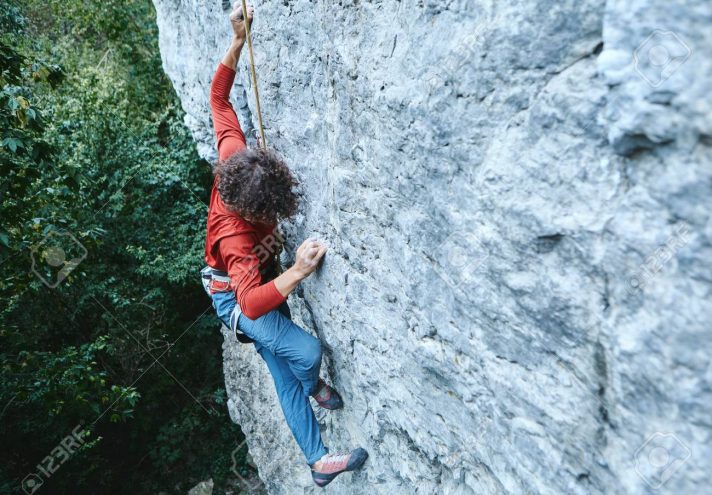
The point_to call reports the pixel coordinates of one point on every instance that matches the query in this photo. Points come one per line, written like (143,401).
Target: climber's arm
(243,267)
(256,299)
(239,34)
(229,134)
(230,137)
(232,55)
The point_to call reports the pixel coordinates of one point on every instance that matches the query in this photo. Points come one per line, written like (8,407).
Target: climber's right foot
(331,465)
(327,397)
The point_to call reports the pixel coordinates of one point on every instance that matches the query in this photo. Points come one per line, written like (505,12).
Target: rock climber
(253,190)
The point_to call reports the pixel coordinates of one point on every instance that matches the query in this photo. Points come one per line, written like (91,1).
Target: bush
(104,323)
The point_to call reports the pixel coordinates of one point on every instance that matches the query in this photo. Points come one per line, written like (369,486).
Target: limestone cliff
(517,198)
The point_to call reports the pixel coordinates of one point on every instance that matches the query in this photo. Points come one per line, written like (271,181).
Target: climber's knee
(311,358)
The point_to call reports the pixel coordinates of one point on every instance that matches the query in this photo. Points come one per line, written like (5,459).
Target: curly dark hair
(257,185)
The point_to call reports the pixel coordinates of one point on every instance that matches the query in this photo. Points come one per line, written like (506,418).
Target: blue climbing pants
(293,358)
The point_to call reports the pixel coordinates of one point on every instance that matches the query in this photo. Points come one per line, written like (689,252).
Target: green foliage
(103,200)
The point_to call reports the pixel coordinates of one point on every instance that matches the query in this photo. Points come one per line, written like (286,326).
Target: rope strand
(254,73)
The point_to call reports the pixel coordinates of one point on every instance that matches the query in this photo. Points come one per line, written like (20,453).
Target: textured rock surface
(517,197)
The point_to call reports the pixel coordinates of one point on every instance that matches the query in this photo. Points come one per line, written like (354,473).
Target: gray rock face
(517,198)
(202,488)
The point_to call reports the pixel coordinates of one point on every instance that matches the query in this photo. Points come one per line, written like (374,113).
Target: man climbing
(253,190)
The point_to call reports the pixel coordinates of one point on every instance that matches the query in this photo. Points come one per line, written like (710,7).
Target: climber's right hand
(307,260)
(308,256)
(237,19)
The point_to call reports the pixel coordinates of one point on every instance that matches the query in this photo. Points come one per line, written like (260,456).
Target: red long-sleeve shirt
(231,244)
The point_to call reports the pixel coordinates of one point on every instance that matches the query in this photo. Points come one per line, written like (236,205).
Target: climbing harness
(246,18)
(217,282)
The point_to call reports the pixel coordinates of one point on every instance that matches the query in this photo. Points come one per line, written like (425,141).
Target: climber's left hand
(238,21)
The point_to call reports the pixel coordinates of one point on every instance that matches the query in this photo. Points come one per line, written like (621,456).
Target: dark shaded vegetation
(111,365)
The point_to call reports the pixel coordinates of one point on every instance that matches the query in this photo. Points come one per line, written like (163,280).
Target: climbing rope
(254,74)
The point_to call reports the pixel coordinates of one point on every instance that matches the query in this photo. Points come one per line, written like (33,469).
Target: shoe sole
(325,479)
(329,407)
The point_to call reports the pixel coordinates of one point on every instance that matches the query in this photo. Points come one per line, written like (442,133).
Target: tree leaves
(99,150)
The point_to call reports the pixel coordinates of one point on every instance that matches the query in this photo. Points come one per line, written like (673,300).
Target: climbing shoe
(333,465)
(327,397)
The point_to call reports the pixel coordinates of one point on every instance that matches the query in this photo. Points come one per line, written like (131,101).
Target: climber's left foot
(327,397)
(331,465)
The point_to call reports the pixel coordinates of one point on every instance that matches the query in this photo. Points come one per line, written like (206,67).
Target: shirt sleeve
(227,128)
(243,267)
